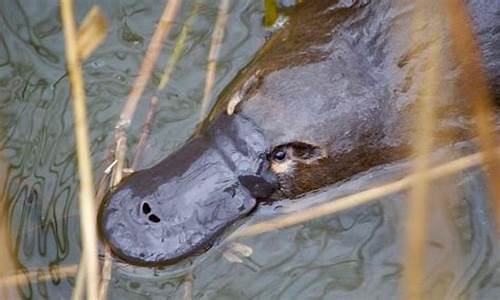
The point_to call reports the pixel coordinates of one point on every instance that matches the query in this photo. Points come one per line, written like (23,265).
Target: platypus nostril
(154,218)
(146,209)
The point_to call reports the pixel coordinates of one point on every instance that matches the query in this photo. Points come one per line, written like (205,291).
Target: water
(355,254)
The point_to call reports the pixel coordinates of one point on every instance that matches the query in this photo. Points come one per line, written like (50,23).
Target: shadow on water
(355,254)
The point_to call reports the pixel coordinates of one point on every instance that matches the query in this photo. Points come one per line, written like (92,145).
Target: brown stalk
(354,200)
(106,273)
(104,182)
(416,231)
(146,131)
(476,90)
(147,66)
(165,78)
(213,54)
(27,277)
(7,261)
(78,290)
(91,33)
(86,197)
(179,47)
(188,286)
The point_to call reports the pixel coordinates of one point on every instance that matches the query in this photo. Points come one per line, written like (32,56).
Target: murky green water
(355,255)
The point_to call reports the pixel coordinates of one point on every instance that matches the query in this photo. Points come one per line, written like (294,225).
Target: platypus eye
(297,151)
(279,155)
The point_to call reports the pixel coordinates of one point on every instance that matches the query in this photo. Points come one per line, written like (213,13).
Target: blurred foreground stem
(86,195)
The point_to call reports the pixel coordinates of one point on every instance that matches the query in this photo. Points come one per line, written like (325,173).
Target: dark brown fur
(348,82)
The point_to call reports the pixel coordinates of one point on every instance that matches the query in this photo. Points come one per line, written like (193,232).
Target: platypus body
(331,94)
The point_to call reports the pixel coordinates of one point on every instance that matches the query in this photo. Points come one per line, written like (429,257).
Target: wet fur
(348,82)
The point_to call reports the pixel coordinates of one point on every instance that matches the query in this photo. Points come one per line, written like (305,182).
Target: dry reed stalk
(146,131)
(213,54)
(78,290)
(86,197)
(147,66)
(106,274)
(165,78)
(179,47)
(91,33)
(188,286)
(7,261)
(476,90)
(104,182)
(416,231)
(355,200)
(27,277)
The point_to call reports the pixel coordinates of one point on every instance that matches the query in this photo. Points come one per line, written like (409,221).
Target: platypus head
(176,208)
(268,144)
(291,131)
(303,115)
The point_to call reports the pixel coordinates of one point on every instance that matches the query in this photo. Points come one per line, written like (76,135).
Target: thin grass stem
(78,290)
(86,196)
(147,66)
(215,45)
(477,91)
(39,276)
(416,231)
(91,33)
(106,273)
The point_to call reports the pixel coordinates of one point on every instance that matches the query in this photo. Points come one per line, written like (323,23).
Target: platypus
(329,95)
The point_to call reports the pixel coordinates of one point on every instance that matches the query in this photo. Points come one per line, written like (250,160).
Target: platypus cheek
(286,167)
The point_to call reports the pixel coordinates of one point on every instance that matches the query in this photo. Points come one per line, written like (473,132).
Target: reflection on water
(356,254)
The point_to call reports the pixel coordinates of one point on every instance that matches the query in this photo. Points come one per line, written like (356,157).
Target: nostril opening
(146,209)
(154,218)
